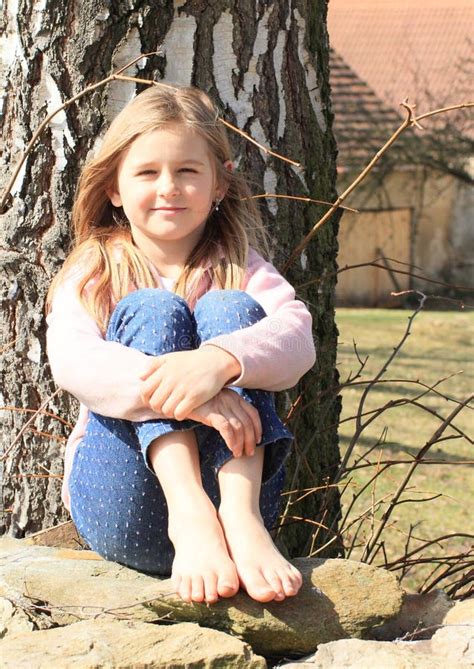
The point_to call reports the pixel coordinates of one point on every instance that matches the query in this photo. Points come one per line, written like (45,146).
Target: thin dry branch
(298,197)
(37,412)
(374,263)
(6,199)
(367,557)
(410,121)
(28,423)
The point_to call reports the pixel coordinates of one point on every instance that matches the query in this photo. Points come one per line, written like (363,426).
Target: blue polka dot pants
(117,503)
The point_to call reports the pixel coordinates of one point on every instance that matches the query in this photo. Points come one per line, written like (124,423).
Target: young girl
(173,332)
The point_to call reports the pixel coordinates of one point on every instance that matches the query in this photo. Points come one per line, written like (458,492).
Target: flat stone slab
(338,599)
(120,644)
(360,654)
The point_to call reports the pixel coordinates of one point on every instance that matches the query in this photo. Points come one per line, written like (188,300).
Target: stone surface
(64,535)
(13,619)
(455,642)
(419,616)
(461,612)
(361,654)
(22,615)
(116,644)
(339,598)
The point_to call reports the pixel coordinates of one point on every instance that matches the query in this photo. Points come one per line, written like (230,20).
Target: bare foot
(263,571)
(202,569)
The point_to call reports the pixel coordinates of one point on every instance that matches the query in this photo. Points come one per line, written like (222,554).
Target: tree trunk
(266,64)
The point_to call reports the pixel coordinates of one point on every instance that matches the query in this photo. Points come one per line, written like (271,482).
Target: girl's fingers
(151,385)
(159,398)
(254,416)
(154,365)
(239,435)
(174,400)
(246,429)
(223,426)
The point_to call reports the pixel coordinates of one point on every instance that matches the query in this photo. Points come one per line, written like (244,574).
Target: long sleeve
(275,352)
(103,375)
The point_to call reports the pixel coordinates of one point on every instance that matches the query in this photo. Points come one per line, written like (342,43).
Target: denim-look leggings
(117,503)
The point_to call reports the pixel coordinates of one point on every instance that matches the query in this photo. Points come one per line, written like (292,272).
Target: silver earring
(216,204)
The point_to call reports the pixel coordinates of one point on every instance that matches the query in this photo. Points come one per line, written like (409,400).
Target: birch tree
(266,66)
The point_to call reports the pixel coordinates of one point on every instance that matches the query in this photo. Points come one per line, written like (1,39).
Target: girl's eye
(182,169)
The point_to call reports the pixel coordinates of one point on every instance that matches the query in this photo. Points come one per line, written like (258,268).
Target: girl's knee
(156,298)
(149,318)
(229,303)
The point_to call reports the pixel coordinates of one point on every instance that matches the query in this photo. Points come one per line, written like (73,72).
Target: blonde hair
(103,249)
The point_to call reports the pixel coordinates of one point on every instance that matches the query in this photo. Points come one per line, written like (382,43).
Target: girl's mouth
(168,209)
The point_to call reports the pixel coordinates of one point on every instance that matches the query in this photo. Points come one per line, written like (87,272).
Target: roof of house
(420,49)
(362,121)
(384,51)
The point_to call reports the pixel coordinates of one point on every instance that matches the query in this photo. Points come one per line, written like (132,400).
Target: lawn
(440,345)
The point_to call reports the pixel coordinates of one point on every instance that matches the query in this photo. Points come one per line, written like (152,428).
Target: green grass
(440,344)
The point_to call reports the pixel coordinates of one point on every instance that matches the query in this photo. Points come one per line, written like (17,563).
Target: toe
(175,584)
(226,587)
(210,587)
(227,583)
(197,590)
(296,577)
(290,586)
(185,589)
(258,587)
(274,581)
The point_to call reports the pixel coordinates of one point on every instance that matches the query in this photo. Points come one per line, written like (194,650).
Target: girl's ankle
(190,507)
(230,512)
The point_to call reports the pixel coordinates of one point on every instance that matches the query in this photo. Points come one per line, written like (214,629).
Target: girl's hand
(178,382)
(236,419)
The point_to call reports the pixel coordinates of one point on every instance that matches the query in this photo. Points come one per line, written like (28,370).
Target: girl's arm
(275,352)
(103,375)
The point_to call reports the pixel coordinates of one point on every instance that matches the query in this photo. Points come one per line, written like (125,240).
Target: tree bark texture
(266,65)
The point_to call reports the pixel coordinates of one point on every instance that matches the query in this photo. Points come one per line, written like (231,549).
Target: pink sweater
(273,353)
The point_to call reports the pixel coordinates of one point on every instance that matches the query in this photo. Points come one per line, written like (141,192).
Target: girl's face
(166,185)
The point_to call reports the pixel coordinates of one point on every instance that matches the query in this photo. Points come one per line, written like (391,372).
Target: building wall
(414,216)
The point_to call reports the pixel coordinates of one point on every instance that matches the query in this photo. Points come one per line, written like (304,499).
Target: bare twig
(374,263)
(367,557)
(410,120)
(6,198)
(28,423)
(298,197)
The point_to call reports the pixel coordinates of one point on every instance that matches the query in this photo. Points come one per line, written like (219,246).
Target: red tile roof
(416,48)
(362,122)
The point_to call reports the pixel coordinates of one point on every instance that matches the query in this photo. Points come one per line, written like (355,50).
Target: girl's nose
(167,185)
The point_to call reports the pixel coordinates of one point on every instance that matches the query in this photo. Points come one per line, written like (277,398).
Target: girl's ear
(222,190)
(114,197)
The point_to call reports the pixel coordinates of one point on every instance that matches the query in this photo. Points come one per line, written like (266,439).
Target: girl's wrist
(228,367)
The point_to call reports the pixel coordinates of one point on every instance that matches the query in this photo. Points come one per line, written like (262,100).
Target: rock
(339,598)
(122,644)
(420,616)
(461,612)
(13,619)
(21,615)
(455,643)
(64,535)
(360,654)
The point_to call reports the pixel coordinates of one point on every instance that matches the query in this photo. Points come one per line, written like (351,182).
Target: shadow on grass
(396,448)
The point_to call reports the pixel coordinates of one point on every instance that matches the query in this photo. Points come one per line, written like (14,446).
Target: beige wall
(365,238)
(416,208)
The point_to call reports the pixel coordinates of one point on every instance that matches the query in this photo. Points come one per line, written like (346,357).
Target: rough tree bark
(266,63)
